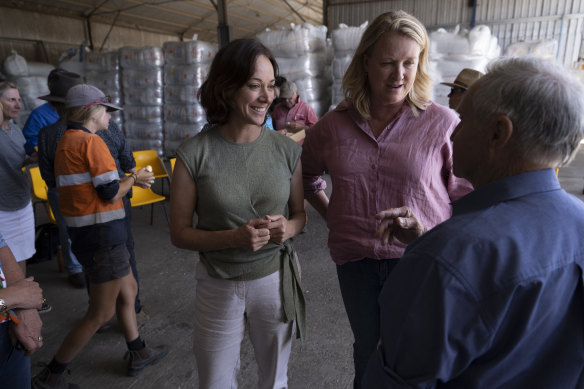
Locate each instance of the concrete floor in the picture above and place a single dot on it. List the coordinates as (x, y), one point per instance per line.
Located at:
(168, 284)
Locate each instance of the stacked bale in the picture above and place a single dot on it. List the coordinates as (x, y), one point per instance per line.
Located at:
(142, 82)
(186, 67)
(30, 79)
(302, 58)
(450, 52)
(102, 70)
(345, 41)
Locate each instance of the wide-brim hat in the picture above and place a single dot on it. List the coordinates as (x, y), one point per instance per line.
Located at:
(85, 95)
(465, 79)
(287, 90)
(60, 81)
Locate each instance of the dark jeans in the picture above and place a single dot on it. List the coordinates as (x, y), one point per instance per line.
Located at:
(361, 283)
(130, 246)
(14, 366)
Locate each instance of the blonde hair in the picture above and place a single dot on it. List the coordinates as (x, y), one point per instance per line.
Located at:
(355, 83)
(82, 115)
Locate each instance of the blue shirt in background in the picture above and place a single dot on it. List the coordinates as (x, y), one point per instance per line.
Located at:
(491, 298)
(40, 117)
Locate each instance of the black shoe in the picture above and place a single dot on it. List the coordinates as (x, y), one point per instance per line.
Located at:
(77, 280)
(44, 308)
(139, 360)
(46, 380)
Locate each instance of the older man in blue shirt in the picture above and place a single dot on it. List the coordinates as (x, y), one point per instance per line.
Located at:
(494, 297)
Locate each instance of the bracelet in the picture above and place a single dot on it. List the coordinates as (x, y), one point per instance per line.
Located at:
(135, 177)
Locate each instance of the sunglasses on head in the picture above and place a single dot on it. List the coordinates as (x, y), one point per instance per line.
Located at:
(104, 99)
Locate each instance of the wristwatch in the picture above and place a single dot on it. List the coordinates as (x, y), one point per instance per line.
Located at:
(3, 306)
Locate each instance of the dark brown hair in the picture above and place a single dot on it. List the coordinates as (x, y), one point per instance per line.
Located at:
(232, 67)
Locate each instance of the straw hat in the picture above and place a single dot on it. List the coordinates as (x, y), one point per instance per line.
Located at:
(465, 79)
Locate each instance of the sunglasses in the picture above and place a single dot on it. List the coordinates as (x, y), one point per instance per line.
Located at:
(456, 90)
(104, 99)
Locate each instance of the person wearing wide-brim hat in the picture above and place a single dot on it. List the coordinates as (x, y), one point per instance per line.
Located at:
(463, 81)
(59, 81)
(90, 200)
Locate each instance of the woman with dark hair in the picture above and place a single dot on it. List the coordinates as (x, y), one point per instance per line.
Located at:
(386, 145)
(244, 182)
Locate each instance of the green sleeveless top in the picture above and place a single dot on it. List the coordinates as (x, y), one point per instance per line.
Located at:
(237, 182)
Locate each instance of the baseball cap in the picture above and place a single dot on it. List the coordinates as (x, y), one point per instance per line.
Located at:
(85, 95)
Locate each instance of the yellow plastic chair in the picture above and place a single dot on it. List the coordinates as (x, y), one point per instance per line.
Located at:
(172, 162)
(40, 195)
(150, 157)
(142, 197)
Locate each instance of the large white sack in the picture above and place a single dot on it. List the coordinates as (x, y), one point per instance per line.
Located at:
(141, 130)
(142, 113)
(340, 65)
(546, 48)
(143, 96)
(103, 80)
(39, 69)
(443, 42)
(183, 113)
(346, 39)
(15, 65)
(180, 94)
(181, 131)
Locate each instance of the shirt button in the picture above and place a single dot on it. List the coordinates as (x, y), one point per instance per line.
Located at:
(373, 166)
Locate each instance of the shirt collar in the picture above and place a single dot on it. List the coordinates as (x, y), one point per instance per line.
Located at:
(506, 189)
(77, 126)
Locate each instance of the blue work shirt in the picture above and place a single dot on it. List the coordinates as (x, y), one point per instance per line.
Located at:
(491, 298)
(40, 117)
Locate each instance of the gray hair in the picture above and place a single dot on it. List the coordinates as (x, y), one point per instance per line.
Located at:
(543, 100)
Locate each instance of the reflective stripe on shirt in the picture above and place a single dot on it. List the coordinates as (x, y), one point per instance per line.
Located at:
(95, 218)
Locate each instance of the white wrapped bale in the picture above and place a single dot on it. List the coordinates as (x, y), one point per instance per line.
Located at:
(546, 48)
(184, 113)
(192, 75)
(144, 96)
(30, 88)
(103, 80)
(297, 41)
(142, 78)
(102, 62)
(141, 57)
(144, 130)
(142, 113)
(180, 94)
(187, 53)
(310, 65)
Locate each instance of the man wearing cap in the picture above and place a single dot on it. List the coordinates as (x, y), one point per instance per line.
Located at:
(292, 114)
(463, 81)
(42, 118)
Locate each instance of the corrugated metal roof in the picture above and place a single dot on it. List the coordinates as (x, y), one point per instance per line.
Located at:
(184, 18)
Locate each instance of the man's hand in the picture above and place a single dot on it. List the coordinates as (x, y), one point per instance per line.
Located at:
(400, 223)
(28, 330)
(24, 294)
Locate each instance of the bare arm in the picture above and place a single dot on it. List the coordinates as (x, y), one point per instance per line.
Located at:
(28, 330)
(140, 178)
(183, 198)
(320, 202)
(282, 229)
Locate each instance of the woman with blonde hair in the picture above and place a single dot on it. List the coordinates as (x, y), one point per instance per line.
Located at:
(16, 211)
(90, 199)
(386, 145)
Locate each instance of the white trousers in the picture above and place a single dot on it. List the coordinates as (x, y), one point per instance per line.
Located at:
(222, 308)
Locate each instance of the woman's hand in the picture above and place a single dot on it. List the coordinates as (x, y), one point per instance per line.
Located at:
(400, 223)
(253, 235)
(144, 178)
(23, 294)
(277, 225)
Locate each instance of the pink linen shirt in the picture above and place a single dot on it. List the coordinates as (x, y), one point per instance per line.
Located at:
(302, 113)
(410, 163)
